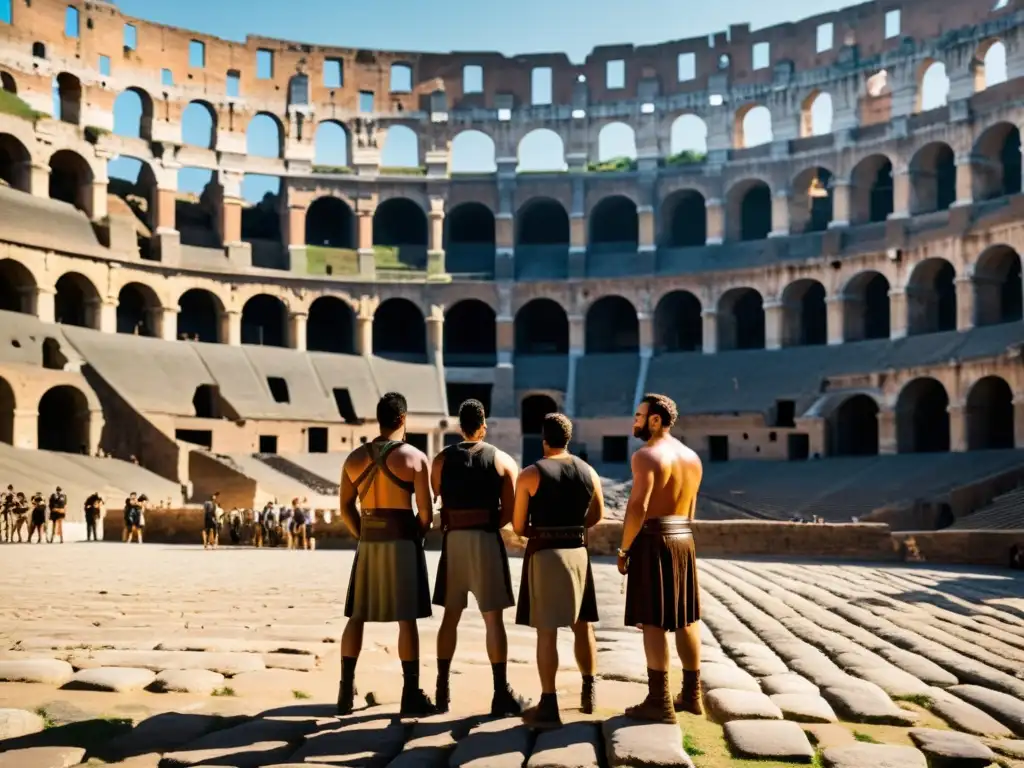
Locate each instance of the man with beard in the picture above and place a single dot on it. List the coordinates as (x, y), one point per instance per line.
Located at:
(658, 554)
(557, 500)
(477, 486)
(389, 581)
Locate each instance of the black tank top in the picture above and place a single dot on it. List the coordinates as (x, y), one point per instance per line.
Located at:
(469, 478)
(563, 496)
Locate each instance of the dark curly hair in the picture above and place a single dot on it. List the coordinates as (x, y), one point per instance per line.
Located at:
(665, 407)
(557, 430)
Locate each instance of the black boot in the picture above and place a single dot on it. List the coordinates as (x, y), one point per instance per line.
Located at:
(415, 703)
(442, 691)
(347, 687)
(545, 715)
(588, 696)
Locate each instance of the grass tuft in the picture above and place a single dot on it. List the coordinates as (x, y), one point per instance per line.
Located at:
(48, 722)
(691, 747)
(225, 691)
(865, 738)
(301, 695)
(920, 699)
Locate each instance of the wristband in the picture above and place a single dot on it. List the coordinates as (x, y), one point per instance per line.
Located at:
(623, 552)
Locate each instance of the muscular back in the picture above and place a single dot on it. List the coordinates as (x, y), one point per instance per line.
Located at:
(405, 461)
(675, 473)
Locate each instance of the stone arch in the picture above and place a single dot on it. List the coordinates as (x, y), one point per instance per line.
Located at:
(614, 222)
(810, 204)
(541, 150)
(532, 411)
(611, 326)
(749, 210)
(933, 86)
(469, 224)
(688, 139)
(265, 321)
(199, 124)
(866, 307)
(996, 162)
(998, 291)
(63, 421)
(931, 297)
(77, 302)
(853, 427)
(804, 316)
(331, 146)
(922, 417)
(816, 114)
(331, 326)
(932, 178)
(133, 114)
(542, 221)
(678, 323)
(134, 182)
(740, 320)
(473, 152)
(7, 83)
(616, 141)
(8, 404)
(330, 223)
(401, 148)
(989, 64)
(684, 220)
(17, 288)
(71, 180)
(15, 164)
(752, 127)
(138, 310)
(541, 328)
(264, 136)
(400, 229)
(470, 335)
(989, 415)
(67, 98)
(871, 190)
(400, 331)
(200, 314)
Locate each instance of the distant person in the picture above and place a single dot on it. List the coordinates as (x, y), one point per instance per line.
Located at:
(132, 517)
(235, 525)
(211, 535)
(20, 512)
(658, 554)
(37, 523)
(389, 580)
(310, 515)
(143, 507)
(7, 513)
(93, 511)
(477, 486)
(557, 500)
(58, 511)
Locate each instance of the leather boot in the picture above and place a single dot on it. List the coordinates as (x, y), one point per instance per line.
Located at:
(506, 703)
(588, 696)
(346, 696)
(657, 707)
(442, 694)
(415, 703)
(689, 698)
(545, 715)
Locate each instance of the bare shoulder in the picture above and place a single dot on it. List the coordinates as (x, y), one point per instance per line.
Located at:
(688, 455)
(528, 477)
(644, 456)
(354, 458)
(503, 460)
(413, 456)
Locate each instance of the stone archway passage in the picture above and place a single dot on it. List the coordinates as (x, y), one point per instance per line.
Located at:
(989, 415)
(7, 406)
(853, 427)
(63, 423)
(542, 328)
(532, 411)
(922, 418)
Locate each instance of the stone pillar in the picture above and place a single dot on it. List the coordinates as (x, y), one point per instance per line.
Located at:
(840, 203)
(715, 212)
(834, 306)
(364, 334)
(646, 322)
(105, 315)
(367, 260)
(435, 336)
(231, 328)
(25, 432)
(577, 334)
(897, 313)
(648, 241)
(166, 237)
(957, 427)
(435, 232)
(964, 303)
(887, 431)
(39, 181)
(900, 193)
(780, 214)
(964, 180)
(297, 330)
(46, 309)
(709, 332)
(167, 323)
(774, 315)
(295, 236)
(98, 200)
(505, 330)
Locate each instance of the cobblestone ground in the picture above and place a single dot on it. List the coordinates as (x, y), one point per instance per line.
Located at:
(174, 656)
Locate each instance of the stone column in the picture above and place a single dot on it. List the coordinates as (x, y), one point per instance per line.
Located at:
(165, 233)
(46, 309)
(709, 332)
(98, 200)
(367, 260)
(296, 236)
(238, 252)
(834, 306)
(887, 431)
(435, 232)
(964, 303)
(646, 323)
(648, 241)
(840, 203)
(231, 328)
(297, 330)
(780, 214)
(25, 433)
(167, 323)
(435, 336)
(900, 193)
(957, 427)
(364, 334)
(897, 313)
(39, 181)
(505, 329)
(964, 180)
(104, 314)
(577, 334)
(774, 314)
(715, 212)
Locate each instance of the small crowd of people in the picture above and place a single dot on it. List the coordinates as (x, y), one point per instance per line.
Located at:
(19, 513)
(291, 527)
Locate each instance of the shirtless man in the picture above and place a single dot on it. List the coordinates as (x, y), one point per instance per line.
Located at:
(658, 554)
(389, 581)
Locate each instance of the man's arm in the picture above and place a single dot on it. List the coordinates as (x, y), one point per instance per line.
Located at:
(596, 510)
(509, 473)
(436, 467)
(347, 503)
(526, 486)
(639, 497)
(421, 484)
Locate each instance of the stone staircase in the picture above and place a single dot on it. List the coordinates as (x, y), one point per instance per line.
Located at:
(313, 481)
(1006, 512)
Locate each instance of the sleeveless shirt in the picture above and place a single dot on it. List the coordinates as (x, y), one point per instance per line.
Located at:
(563, 495)
(469, 478)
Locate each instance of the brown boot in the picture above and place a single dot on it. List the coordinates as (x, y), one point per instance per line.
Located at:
(657, 707)
(545, 715)
(588, 696)
(688, 699)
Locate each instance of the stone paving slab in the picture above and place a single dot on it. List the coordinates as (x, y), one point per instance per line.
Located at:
(948, 749)
(42, 757)
(1004, 708)
(804, 708)
(768, 740)
(201, 681)
(367, 744)
(576, 745)
(253, 743)
(160, 661)
(48, 671)
(725, 704)
(873, 755)
(110, 679)
(17, 722)
(502, 743)
(629, 743)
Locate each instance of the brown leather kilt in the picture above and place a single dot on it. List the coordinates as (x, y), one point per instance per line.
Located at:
(541, 539)
(661, 587)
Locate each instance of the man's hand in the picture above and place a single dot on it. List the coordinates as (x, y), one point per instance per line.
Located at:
(623, 562)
